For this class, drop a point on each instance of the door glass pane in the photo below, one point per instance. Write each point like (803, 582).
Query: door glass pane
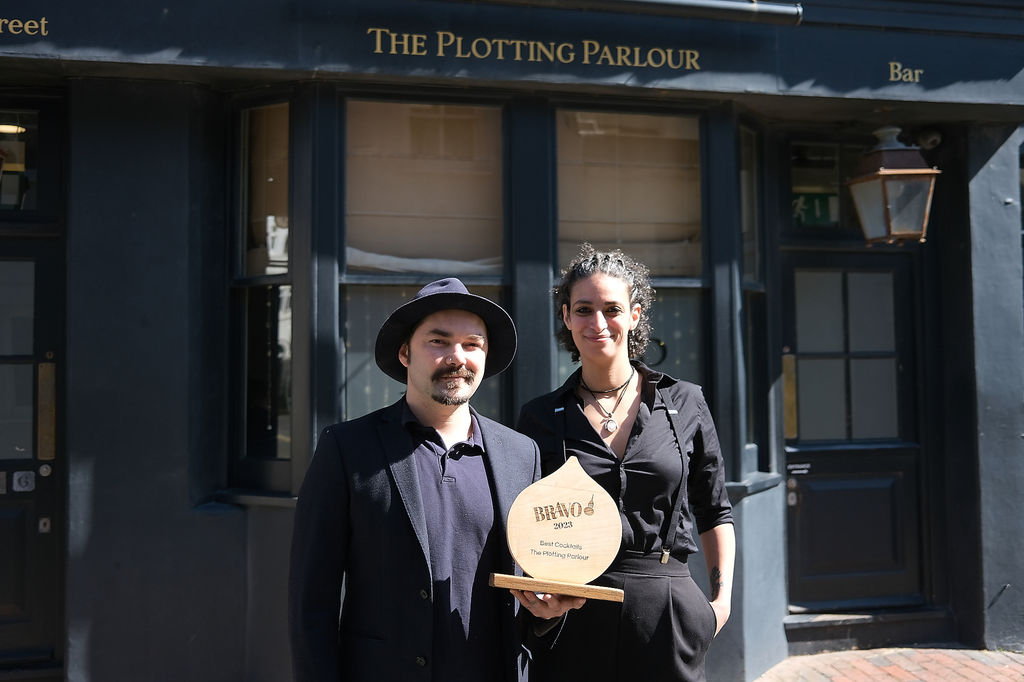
(366, 387)
(266, 188)
(268, 372)
(17, 302)
(632, 182)
(423, 189)
(819, 311)
(16, 411)
(821, 387)
(873, 412)
(871, 318)
(19, 137)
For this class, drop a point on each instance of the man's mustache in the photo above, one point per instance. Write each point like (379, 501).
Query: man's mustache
(464, 373)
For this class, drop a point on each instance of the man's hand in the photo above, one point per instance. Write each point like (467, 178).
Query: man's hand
(547, 606)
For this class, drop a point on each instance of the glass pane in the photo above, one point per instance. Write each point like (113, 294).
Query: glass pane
(821, 389)
(814, 179)
(677, 342)
(871, 318)
(753, 311)
(819, 311)
(874, 411)
(16, 412)
(678, 324)
(268, 372)
(424, 188)
(19, 139)
(17, 305)
(749, 207)
(867, 199)
(266, 190)
(366, 387)
(631, 181)
(908, 202)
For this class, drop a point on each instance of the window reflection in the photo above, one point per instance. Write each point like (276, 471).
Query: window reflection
(366, 387)
(16, 412)
(631, 181)
(17, 307)
(423, 190)
(268, 371)
(266, 190)
(677, 342)
(19, 137)
(265, 286)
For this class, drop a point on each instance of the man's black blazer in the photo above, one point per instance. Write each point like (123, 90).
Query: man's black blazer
(360, 517)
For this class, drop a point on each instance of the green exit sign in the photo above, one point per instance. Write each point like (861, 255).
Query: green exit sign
(816, 210)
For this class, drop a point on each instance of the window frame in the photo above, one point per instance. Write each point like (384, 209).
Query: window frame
(317, 236)
(47, 218)
(753, 362)
(502, 282)
(247, 472)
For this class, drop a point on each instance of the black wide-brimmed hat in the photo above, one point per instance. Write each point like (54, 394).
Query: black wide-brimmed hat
(446, 294)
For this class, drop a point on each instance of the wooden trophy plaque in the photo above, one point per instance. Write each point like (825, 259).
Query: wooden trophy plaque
(563, 531)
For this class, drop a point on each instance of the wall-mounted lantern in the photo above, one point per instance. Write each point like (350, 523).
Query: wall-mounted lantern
(893, 191)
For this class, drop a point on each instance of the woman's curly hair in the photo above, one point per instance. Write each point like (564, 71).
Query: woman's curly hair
(635, 274)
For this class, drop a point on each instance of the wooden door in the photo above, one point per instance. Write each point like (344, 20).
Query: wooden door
(853, 460)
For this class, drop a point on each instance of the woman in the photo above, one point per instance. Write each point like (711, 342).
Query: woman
(649, 440)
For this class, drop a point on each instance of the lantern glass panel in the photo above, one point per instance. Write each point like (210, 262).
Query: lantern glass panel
(867, 197)
(907, 198)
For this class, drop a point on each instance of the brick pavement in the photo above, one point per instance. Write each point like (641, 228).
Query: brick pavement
(902, 664)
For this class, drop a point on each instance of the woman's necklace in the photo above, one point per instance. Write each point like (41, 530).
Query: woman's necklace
(608, 421)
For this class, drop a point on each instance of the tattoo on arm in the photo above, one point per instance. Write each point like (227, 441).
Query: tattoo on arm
(716, 583)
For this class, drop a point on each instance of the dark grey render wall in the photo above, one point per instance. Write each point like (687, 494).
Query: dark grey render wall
(995, 212)
(156, 578)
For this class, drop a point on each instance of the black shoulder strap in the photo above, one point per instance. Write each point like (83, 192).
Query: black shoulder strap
(560, 416)
(677, 429)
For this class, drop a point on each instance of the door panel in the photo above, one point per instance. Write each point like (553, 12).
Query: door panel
(31, 465)
(853, 461)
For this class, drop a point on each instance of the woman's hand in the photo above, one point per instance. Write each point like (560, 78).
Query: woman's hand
(722, 609)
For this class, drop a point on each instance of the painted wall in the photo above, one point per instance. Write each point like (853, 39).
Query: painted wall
(156, 576)
(998, 340)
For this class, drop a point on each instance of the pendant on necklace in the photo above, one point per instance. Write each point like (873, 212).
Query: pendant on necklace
(610, 425)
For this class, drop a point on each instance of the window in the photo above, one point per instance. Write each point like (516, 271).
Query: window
(847, 361)
(753, 318)
(822, 208)
(633, 182)
(262, 294)
(423, 200)
(17, 320)
(19, 134)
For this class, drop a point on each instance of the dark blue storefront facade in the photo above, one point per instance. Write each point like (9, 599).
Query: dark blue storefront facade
(208, 207)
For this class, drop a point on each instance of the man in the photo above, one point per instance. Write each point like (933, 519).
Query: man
(407, 506)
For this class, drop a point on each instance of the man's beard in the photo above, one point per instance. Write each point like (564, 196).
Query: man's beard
(446, 391)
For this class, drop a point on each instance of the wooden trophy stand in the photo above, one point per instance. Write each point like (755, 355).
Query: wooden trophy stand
(563, 531)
